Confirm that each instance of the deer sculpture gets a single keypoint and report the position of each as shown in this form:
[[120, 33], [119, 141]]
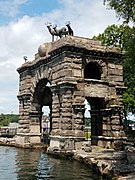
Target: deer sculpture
[[51, 30], [70, 31], [61, 32]]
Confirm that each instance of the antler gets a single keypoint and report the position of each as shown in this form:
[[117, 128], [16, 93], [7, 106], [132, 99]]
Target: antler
[[48, 23], [68, 23], [54, 26]]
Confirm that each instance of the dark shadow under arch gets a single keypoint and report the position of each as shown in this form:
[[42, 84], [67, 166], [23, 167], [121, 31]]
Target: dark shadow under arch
[[42, 97], [92, 71], [97, 105]]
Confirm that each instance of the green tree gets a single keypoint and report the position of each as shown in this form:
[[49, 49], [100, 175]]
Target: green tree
[[87, 121], [124, 9], [116, 36], [123, 37], [129, 100], [5, 119]]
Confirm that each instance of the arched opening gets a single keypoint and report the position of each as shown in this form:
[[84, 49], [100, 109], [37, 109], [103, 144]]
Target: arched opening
[[92, 71], [96, 119], [42, 103]]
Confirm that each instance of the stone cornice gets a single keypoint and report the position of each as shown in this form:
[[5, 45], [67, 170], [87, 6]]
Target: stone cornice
[[76, 45]]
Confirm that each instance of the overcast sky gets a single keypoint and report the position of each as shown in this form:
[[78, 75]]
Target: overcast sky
[[22, 30]]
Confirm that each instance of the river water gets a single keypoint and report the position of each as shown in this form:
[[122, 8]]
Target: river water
[[27, 164]]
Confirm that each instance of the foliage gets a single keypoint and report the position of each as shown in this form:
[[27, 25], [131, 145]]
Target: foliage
[[87, 122], [123, 37], [129, 63], [124, 8], [129, 100], [5, 119], [115, 36]]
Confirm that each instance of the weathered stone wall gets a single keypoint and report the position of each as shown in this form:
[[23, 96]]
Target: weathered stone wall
[[63, 64]]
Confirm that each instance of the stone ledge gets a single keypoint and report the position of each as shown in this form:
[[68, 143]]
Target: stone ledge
[[71, 42]]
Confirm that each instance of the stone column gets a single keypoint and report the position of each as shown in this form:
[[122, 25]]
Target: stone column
[[116, 122], [22, 138], [62, 135], [24, 107], [35, 127], [78, 117], [66, 111], [29, 131], [78, 124], [112, 127], [56, 108]]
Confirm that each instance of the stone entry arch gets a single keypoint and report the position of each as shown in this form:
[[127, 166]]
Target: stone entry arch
[[42, 97], [66, 64]]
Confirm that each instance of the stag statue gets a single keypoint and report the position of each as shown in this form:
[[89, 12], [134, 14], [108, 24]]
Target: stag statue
[[51, 30], [70, 31], [61, 32]]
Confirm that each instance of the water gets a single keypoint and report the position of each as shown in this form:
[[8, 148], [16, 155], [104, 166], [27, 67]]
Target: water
[[26, 164]]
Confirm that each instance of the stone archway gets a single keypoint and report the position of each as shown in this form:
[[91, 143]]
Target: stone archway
[[77, 69], [42, 96]]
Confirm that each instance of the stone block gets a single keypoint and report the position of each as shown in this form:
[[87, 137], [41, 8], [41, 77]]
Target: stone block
[[68, 145], [104, 143], [78, 126], [78, 145], [54, 144], [116, 127], [78, 72], [79, 133], [106, 127], [78, 121], [66, 126], [35, 139], [56, 132], [55, 125], [115, 122], [69, 132], [34, 128], [24, 121]]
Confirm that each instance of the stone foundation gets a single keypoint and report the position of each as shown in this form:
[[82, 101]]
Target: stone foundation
[[61, 143], [27, 140]]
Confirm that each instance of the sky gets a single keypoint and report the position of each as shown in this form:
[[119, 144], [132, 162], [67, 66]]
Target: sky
[[23, 30]]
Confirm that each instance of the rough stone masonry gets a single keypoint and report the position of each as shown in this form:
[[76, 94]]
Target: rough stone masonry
[[76, 69]]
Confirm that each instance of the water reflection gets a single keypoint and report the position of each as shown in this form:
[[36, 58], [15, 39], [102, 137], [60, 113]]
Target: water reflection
[[44, 168], [8, 165], [25, 164]]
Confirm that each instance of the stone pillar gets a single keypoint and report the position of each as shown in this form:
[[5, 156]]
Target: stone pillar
[[67, 119], [56, 124], [116, 122], [24, 107], [66, 111], [35, 127], [29, 123], [113, 129], [78, 117], [61, 117], [22, 138]]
